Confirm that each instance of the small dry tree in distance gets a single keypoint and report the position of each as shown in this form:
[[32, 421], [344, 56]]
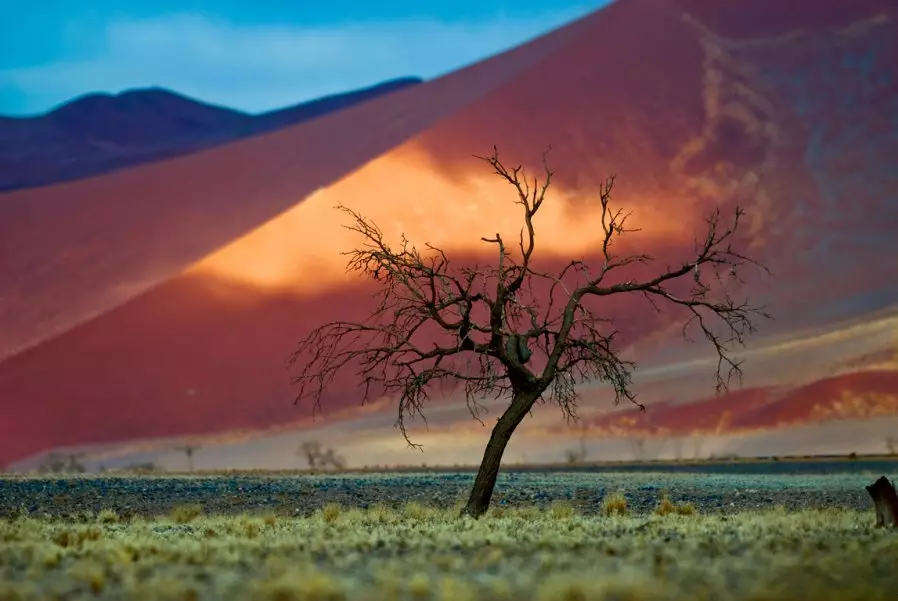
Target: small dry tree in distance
[[319, 458], [512, 330], [188, 451]]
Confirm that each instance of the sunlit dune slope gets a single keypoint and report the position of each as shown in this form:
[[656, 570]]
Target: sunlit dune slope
[[692, 121], [688, 116], [72, 251]]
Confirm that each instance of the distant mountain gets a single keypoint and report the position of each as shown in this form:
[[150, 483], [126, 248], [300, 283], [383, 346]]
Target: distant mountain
[[98, 133]]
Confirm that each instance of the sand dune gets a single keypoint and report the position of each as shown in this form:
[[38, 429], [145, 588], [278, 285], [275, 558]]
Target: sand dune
[[163, 300]]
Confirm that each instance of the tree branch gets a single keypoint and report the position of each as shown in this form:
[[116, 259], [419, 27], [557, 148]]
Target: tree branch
[[493, 333]]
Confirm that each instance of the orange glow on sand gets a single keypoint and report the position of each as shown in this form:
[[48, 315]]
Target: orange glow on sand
[[403, 193]]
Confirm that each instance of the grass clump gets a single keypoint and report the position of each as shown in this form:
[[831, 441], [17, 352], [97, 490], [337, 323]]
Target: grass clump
[[614, 504], [331, 512], [667, 507]]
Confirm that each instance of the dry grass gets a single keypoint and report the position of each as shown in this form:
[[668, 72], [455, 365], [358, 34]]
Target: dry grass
[[614, 504], [667, 507], [419, 553]]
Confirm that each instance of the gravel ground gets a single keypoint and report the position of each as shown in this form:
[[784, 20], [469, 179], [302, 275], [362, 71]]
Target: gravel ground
[[303, 494]]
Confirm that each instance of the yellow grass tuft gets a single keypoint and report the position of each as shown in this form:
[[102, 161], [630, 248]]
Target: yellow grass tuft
[[667, 507], [614, 504], [331, 512]]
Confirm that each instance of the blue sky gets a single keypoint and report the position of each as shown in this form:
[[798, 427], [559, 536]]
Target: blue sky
[[251, 55]]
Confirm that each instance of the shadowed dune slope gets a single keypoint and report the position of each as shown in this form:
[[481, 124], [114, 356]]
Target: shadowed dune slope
[[694, 104]]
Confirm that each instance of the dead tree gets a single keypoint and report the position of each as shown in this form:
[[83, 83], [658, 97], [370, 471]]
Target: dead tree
[[513, 330], [310, 450], [317, 457], [885, 502], [188, 451]]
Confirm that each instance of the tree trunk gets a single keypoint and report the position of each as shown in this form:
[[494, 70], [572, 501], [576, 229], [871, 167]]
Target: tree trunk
[[885, 502], [482, 492]]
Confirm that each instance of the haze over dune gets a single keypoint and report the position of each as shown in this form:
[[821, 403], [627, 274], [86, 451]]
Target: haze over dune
[[163, 300]]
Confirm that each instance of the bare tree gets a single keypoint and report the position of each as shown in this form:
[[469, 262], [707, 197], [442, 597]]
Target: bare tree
[[188, 450], [318, 457], [493, 330], [885, 502]]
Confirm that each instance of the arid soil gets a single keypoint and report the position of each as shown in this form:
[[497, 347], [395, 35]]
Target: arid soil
[[61, 496]]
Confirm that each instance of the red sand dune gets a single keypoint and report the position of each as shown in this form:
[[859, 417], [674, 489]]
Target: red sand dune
[[71, 251], [690, 110], [851, 396]]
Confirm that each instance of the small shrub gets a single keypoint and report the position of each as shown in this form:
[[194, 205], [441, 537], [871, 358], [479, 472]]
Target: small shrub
[[614, 504]]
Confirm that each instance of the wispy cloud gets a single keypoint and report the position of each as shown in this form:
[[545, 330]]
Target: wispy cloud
[[256, 68]]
